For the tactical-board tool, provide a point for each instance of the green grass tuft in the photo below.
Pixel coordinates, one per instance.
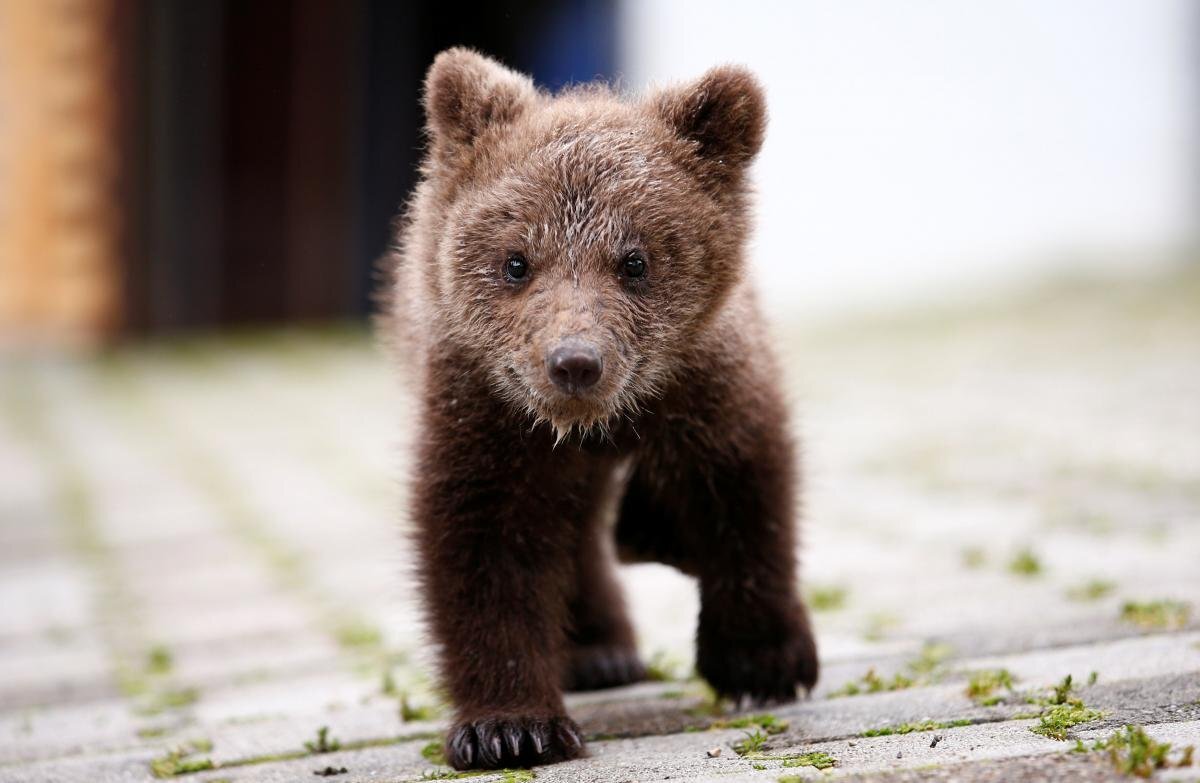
(827, 598)
(753, 744)
(170, 699)
(873, 683)
(387, 685)
(434, 753)
(1133, 752)
(323, 743)
(170, 765)
(1162, 613)
(410, 712)
(662, 667)
(1062, 691)
(982, 686)
(973, 558)
(878, 624)
(356, 635)
(927, 667)
(177, 762)
(158, 660)
(1091, 590)
(765, 721)
(817, 759)
(202, 745)
(1025, 563)
(909, 728)
(517, 776)
(931, 658)
(1055, 721)
(1061, 710)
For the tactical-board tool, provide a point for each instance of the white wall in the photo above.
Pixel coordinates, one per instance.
(918, 147)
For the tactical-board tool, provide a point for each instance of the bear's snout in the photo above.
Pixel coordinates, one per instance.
(574, 365)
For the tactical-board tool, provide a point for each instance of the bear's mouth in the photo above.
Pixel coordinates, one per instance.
(562, 411)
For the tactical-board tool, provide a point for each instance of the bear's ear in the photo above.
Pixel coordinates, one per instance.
(724, 112)
(466, 93)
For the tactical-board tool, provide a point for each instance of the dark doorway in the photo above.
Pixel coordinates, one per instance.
(270, 143)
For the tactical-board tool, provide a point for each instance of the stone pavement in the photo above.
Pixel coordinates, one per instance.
(203, 567)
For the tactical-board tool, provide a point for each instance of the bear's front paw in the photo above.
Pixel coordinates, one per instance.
(593, 667)
(496, 743)
(762, 672)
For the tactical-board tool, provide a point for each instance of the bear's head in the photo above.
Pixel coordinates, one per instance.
(584, 242)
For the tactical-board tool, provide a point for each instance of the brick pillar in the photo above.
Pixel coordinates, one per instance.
(60, 276)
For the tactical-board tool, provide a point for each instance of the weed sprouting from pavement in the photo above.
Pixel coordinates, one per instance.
(931, 658)
(909, 728)
(873, 683)
(753, 744)
(817, 759)
(765, 721)
(982, 686)
(170, 699)
(1025, 563)
(323, 743)
(662, 667)
(1055, 721)
(924, 669)
(517, 776)
(878, 624)
(177, 761)
(1061, 711)
(173, 764)
(411, 712)
(752, 748)
(356, 634)
(1091, 590)
(506, 775)
(1159, 614)
(974, 558)
(434, 753)
(712, 703)
(1062, 691)
(158, 660)
(827, 598)
(1133, 752)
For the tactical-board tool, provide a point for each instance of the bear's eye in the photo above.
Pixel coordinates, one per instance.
(515, 267)
(633, 266)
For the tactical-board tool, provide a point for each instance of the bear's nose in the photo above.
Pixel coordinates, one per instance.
(574, 366)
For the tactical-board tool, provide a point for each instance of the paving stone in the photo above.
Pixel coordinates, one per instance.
(1056, 768)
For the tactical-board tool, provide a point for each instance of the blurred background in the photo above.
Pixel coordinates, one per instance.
(978, 233)
(197, 165)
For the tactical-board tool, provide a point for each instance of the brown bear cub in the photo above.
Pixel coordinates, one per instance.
(569, 292)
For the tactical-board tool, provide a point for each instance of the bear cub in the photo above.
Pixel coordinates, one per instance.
(568, 294)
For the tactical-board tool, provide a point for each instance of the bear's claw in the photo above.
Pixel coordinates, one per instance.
(759, 673)
(497, 743)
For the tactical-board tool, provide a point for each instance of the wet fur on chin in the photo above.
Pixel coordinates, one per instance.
(580, 420)
(678, 451)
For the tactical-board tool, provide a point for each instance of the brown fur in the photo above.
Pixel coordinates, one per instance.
(684, 435)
